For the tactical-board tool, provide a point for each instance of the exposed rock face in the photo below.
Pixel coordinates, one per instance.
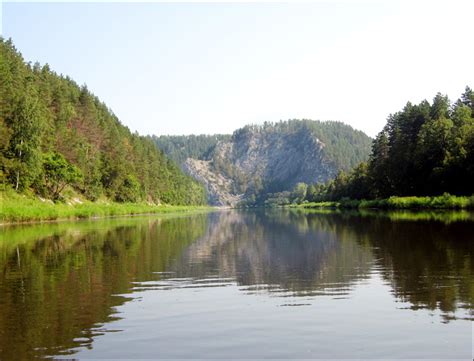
(278, 160)
(275, 157)
(219, 187)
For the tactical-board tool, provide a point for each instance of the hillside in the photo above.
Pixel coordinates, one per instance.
(181, 147)
(260, 160)
(56, 135)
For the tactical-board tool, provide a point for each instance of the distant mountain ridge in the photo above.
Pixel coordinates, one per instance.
(258, 160)
(181, 147)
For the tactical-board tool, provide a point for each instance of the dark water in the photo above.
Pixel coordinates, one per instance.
(255, 284)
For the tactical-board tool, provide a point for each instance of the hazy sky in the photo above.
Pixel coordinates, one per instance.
(181, 68)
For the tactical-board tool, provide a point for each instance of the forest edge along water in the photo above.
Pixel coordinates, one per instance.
(17, 208)
(345, 237)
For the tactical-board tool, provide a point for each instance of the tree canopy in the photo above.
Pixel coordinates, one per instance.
(50, 128)
(423, 150)
(181, 147)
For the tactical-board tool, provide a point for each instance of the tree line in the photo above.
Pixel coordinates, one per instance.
(56, 134)
(181, 147)
(425, 149)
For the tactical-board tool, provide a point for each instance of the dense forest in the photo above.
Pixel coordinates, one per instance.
(424, 150)
(56, 135)
(181, 147)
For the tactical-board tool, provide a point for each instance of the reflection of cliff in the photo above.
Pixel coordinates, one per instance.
(57, 281)
(293, 252)
(58, 286)
(427, 263)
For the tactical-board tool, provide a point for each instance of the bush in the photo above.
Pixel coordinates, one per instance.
(58, 173)
(129, 190)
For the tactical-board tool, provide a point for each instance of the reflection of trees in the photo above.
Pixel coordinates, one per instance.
(292, 252)
(426, 258)
(427, 262)
(57, 281)
(59, 287)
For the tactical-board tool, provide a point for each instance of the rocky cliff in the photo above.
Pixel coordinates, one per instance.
(275, 157)
(219, 187)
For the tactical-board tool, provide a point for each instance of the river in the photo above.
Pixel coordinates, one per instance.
(240, 284)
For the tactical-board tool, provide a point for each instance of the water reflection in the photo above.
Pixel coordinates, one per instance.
(61, 284)
(425, 257)
(427, 263)
(278, 252)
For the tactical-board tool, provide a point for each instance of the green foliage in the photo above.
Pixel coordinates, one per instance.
(129, 190)
(424, 150)
(5, 135)
(445, 201)
(58, 173)
(22, 208)
(278, 199)
(299, 192)
(181, 147)
(26, 124)
(43, 113)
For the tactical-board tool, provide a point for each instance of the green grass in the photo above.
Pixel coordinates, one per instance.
(445, 201)
(17, 208)
(445, 216)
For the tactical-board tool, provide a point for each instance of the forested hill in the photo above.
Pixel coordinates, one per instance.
(259, 160)
(56, 135)
(181, 147)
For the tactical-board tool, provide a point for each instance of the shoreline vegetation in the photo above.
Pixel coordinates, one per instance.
(445, 201)
(57, 137)
(445, 216)
(65, 155)
(20, 208)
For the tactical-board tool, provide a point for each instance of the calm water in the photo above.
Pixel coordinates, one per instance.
(240, 284)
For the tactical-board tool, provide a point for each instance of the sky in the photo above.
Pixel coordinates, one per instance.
(193, 68)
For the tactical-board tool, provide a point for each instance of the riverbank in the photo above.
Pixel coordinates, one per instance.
(16, 208)
(445, 201)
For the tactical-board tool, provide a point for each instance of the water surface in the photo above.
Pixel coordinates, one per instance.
(240, 284)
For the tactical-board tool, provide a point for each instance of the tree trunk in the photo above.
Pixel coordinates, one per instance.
(18, 170)
(17, 180)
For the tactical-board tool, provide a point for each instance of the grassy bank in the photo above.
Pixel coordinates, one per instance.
(16, 208)
(445, 216)
(445, 201)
